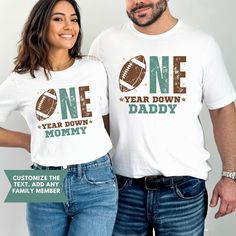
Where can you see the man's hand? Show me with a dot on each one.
(225, 191)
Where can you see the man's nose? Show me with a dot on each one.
(137, 2)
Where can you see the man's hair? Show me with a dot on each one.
(33, 47)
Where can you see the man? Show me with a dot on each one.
(160, 73)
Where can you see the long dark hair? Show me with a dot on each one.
(33, 47)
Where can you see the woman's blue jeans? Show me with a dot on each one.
(91, 209)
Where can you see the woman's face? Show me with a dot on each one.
(63, 28)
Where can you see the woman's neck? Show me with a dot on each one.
(60, 61)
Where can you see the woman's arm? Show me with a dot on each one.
(10, 138)
(106, 123)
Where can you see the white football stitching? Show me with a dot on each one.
(127, 69)
(139, 63)
(39, 113)
(126, 85)
(50, 95)
(41, 103)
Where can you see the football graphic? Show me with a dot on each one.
(46, 105)
(132, 73)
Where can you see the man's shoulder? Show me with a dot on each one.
(89, 61)
(194, 31)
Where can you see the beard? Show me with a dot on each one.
(157, 11)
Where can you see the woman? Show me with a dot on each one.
(62, 96)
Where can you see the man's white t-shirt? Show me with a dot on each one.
(64, 113)
(157, 86)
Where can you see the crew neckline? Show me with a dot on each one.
(65, 71)
(157, 36)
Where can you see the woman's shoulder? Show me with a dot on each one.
(19, 76)
(13, 77)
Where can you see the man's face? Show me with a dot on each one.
(145, 12)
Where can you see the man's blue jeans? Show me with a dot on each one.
(91, 209)
(174, 206)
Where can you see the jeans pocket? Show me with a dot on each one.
(122, 182)
(100, 174)
(190, 188)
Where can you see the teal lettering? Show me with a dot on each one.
(142, 109)
(49, 133)
(172, 108)
(133, 108)
(57, 133)
(83, 129)
(162, 108)
(65, 132)
(77, 130)
(68, 103)
(156, 74)
(152, 108)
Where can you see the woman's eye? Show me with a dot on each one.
(57, 19)
(74, 20)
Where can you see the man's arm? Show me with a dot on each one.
(224, 126)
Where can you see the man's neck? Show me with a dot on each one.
(162, 25)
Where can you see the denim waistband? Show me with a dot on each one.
(100, 161)
(155, 182)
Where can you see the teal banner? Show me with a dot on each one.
(36, 185)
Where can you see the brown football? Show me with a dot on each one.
(132, 73)
(46, 105)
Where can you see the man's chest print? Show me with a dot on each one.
(132, 73)
(165, 87)
(74, 103)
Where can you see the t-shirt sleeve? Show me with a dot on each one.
(94, 49)
(103, 83)
(218, 90)
(8, 98)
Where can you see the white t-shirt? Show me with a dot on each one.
(64, 114)
(157, 85)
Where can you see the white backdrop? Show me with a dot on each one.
(216, 17)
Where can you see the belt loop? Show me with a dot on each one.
(109, 157)
(145, 181)
(130, 181)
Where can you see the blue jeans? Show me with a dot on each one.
(174, 206)
(91, 209)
